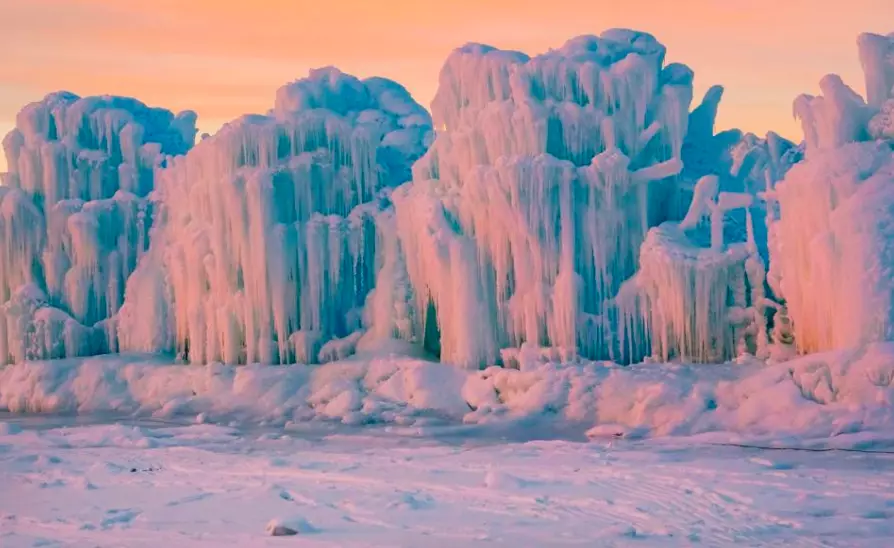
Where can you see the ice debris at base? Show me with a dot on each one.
(266, 247)
(570, 205)
(830, 395)
(74, 218)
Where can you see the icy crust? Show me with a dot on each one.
(529, 209)
(829, 395)
(266, 244)
(74, 216)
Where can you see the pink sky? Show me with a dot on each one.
(223, 58)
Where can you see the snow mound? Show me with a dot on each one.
(266, 248)
(836, 394)
(74, 217)
(286, 527)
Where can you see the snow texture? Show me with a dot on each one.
(824, 396)
(74, 217)
(153, 483)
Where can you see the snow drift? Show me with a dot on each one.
(74, 218)
(836, 394)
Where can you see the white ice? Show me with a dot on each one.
(266, 245)
(74, 217)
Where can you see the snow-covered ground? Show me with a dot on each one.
(130, 450)
(69, 482)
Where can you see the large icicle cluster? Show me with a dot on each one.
(528, 211)
(833, 251)
(265, 250)
(700, 291)
(74, 218)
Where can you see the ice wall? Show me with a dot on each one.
(265, 249)
(529, 210)
(74, 217)
(833, 254)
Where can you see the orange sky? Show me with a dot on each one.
(224, 58)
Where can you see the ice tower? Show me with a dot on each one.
(74, 218)
(833, 254)
(265, 246)
(529, 210)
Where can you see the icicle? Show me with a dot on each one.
(74, 220)
(267, 244)
(530, 208)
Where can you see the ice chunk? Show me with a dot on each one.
(877, 58)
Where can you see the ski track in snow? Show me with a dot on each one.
(152, 484)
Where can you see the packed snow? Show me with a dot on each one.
(151, 483)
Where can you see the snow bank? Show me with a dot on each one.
(74, 217)
(818, 396)
(266, 244)
(699, 294)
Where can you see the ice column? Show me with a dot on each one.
(74, 217)
(832, 255)
(265, 249)
(529, 210)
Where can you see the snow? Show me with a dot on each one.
(834, 396)
(454, 293)
(151, 483)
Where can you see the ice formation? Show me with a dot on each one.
(74, 217)
(570, 205)
(265, 247)
(832, 254)
(529, 209)
(700, 292)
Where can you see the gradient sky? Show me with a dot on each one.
(223, 58)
